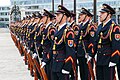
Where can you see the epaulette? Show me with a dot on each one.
(111, 29)
(75, 27)
(68, 31)
(51, 31)
(92, 27)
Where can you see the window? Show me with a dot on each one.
(1, 13)
(6, 19)
(1, 19)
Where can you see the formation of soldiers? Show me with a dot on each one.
(53, 45)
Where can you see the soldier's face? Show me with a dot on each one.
(44, 19)
(58, 17)
(102, 16)
(82, 17)
(79, 19)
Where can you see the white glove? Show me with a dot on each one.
(24, 47)
(89, 58)
(111, 64)
(96, 57)
(43, 64)
(65, 72)
(86, 56)
(28, 51)
(20, 41)
(17, 38)
(34, 55)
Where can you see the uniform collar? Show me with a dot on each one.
(48, 24)
(40, 23)
(85, 22)
(62, 25)
(72, 22)
(106, 22)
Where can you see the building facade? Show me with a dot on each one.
(31, 6)
(4, 16)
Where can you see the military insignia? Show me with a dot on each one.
(117, 37)
(92, 33)
(59, 8)
(70, 43)
(76, 32)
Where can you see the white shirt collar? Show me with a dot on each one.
(106, 22)
(72, 22)
(80, 23)
(34, 23)
(48, 24)
(40, 23)
(85, 22)
(62, 25)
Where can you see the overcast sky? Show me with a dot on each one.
(4, 2)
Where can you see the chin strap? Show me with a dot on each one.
(85, 18)
(46, 20)
(105, 17)
(61, 18)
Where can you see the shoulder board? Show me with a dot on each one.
(116, 28)
(69, 31)
(112, 29)
(52, 30)
(92, 27)
(76, 27)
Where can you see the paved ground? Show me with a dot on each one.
(11, 63)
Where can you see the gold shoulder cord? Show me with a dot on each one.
(80, 38)
(111, 28)
(88, 28)
(64, 34)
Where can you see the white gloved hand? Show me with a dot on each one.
(86, 56)
(65, 72)
(111, 64)
(96, 57)
(17, 38)
(89, 58)
(24, 47)
(20, 41)
(34, 55)
(43, 64)
(28, 51)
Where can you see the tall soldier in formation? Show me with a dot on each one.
(107, 38)
(46, 42)
(63, 48)
(84, 39)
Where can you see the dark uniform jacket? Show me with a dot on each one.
(106, 44)
(64, 50)
(87, 31)
(47, 44)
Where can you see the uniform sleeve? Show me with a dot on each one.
(91, 45)
(70, 51)
(115, 38)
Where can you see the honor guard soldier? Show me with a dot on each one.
(84, 39)
(75, 27)
(63, 48)
(71, 19)
(108, 42)
(38, 33)
(46, 42)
